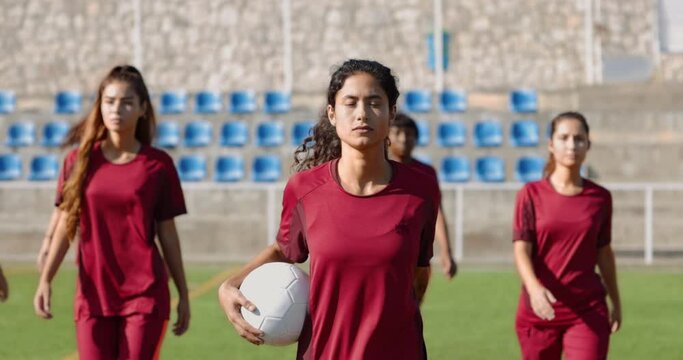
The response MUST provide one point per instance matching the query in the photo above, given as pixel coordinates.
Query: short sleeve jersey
(566, 232)
(120, 270)
(363, 254)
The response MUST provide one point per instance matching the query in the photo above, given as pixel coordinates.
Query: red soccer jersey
(120, 270)
(566, 232)
(364, 251)
(422, 167)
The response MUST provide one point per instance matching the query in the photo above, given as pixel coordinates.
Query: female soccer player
(367, 224)
(403, 136)
(119, 193)
(562, 230)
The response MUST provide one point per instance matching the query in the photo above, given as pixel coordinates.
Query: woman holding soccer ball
(562, 230)
(366, 223)
(118, 194)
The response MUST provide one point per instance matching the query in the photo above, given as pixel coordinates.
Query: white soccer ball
(280, 293)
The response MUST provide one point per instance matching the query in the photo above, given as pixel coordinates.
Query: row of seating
(268, 168)
(486, 133)
(276, 102)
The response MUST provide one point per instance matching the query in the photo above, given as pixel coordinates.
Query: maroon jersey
(566, 232)
(363, 254)
(420, 166)
(120, 270)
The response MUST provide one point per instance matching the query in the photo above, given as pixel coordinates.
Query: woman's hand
(615, 319)
(232, 301)
(41, 301)
(541, 302)
(183, 322)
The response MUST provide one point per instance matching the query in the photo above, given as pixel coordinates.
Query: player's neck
(120, 143)
(363, 173)
(566, 180)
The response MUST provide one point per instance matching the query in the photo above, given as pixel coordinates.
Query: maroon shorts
(136, 336)
(587, 338)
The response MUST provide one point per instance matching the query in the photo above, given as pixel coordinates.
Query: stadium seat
(418, 101)
(234, 134)
(455, 169)
(173, 102)
(68, 102)
(8, 101)
(168, 134)
(453, 101)
(300, 131)
(198, 133)
(208, 102)
(524, 133)
(192, 167)
(266, 168)
(277, 102)
(270, 134)
(229, 168)
(10, 167)
(490, 169)
(242, 102)
(44, 167)
(451, 134)
(529, 168)
(422, 132)
(488, 133)
(523, 101)
(21, 134)
(54, 133)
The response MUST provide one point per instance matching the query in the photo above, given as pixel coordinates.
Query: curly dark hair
(324, 144)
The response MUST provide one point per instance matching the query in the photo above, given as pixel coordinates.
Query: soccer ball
(280, 293)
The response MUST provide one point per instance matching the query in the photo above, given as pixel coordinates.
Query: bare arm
(608, 270)
(232, 300)
(4, 288)
(45, 246)
(58, 248)
(170, 246)
(422, 274)
(448, 265)
(540, 298)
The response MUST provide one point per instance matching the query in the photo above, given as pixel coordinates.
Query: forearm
(525, 268)
(51, 227)
(441, 234)
(170, 247)
(57, 250)
(608, 270)
(422, 275)
(271, 253)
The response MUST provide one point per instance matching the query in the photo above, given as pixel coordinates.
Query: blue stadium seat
(453, 101)
(44, 167)
(490, 169)
(168, 134)
(242, 102)
(68, 102)
(10, 167)
(21, 134)
(270, 134)
(422, 132)
(523, 101)
(277, 102)
(488, 133)
(529, 168)
(192, 167)
(418, 101)
(452, 134)
(455, 169)
(173, 102)
(229, 168)
(524, 133)
(54, 133)
(8, 101)
(198, 133)
(266, 168)
(234, 134)
(301, 130)
(208, 102)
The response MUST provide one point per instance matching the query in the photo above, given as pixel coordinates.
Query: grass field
(469, 318)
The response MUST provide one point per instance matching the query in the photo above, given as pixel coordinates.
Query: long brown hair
(91, 130)
(324, 144)
(569, 115)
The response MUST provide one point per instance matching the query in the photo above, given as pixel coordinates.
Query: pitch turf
(468, 318)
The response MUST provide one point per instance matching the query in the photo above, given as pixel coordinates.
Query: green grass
(469, 318)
